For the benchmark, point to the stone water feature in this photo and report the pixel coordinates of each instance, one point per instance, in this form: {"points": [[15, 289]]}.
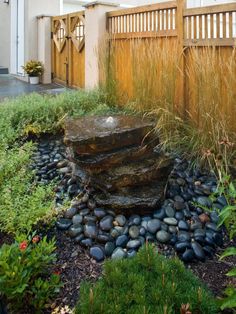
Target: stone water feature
{"points": [[119, 179], [116, 157]]}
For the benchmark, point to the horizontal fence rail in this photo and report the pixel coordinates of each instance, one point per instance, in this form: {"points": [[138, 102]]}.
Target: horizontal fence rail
{"points": [[147, 21], [213, 25]]}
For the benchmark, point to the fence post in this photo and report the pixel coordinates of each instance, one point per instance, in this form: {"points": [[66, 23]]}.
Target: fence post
{"points": [[180, 88], [95, 30], [44, 46]]}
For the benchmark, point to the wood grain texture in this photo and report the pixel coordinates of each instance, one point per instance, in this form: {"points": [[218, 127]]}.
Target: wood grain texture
{"points": [[68, 56], [200, 42], [144, 9], [223, 8]]}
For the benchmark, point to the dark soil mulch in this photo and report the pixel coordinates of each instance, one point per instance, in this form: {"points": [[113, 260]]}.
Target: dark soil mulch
{"points": [[75, 266], [5, 238], [213, 271]]}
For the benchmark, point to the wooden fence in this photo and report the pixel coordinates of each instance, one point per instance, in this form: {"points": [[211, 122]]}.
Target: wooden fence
{"points": [[68, 56], [200, 41]]}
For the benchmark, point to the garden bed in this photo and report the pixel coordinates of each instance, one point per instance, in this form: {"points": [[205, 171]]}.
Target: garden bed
{"points": [[33, 202], [75, 265]]}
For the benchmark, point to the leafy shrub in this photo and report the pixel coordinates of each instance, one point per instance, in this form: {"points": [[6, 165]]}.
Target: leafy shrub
{"points": [[147, 283], [227, 216], [25, 279], [33, 68]]}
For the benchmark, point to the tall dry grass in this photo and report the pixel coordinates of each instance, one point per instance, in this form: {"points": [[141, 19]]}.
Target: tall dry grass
{"points": [[143, 75], [155, 73], [211, 104], [108, 82]]}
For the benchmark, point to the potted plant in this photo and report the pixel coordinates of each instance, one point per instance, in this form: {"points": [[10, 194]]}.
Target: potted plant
{"points": [[34, 69]]}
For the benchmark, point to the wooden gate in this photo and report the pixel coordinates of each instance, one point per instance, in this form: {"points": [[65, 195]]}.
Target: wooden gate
{"points": [[68, 40]]}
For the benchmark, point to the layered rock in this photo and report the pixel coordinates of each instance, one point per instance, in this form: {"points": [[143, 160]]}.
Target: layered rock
{"points": [[116, 156]]}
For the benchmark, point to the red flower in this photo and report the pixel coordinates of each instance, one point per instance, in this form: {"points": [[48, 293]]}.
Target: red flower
{"points": [[56, 272], [36, 239], [23, 245]]}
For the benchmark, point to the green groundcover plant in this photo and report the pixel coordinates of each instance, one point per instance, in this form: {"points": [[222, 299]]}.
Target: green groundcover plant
{"points": [[147, 283], [26, 277], [227, 215], [37, 114], [23, 203]]}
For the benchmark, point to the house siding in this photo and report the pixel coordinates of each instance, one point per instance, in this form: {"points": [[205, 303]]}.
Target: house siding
{"points": [[5, 22]]}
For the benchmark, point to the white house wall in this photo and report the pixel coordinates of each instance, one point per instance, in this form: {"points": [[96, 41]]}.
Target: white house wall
{"points": [[69, 8], [5, 30], [35, 8], [198, 3], [190, 3]]}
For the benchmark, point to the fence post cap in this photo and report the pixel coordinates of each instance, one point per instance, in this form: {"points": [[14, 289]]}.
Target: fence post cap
{"points": [[95, 3], [43, 16]]}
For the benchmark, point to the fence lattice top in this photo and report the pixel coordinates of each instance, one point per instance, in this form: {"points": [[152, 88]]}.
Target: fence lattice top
{"points": [[215, 24], [211, 25], [156, 20]]}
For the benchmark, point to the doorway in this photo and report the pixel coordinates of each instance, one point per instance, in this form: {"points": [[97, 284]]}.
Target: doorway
{"points": [[20, 29], [17, 50]]}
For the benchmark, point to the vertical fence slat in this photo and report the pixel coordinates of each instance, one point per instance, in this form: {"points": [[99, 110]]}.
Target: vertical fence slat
{"points": [[162, 20], [189, 28], [133, 22], [212, 26], [200, 26], [171, 19], [230, 25], [185, 28], [151, 21], [224, 25], [218, 25], [159, 20], [195, 27], [155, 21], [206, 27]]}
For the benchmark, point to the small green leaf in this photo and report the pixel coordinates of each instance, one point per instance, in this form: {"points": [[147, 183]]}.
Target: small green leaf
{"points": [[232, 272], [228, 252], [229, 302]]}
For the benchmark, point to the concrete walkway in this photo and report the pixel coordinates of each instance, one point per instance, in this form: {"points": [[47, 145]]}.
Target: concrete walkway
{"points": [[12, 87]]}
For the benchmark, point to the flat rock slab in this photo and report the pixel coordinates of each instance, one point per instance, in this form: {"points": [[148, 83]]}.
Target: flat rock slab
{"points": [[100, 162], [93, 135], [128, 174], [139, 199]]}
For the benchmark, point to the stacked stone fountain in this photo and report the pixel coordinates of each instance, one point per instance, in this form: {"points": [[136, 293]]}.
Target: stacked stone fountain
{"points": [[120, 203], [116, 156]]}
